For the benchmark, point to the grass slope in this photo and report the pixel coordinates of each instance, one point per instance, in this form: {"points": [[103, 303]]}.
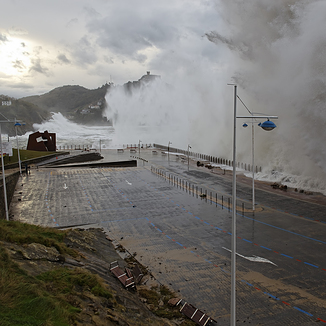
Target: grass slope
{"points": [[61, 296], [46, 299]]}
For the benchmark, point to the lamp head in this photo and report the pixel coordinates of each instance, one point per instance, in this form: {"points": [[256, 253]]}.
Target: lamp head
{"points": [[245, 125], [267, 125]]}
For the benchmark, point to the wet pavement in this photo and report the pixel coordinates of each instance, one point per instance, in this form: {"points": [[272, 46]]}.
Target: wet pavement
{"points": [[177, 221]]}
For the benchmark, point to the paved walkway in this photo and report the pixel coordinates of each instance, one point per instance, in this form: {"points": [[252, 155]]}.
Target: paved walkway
{"points": [[184, 239]]}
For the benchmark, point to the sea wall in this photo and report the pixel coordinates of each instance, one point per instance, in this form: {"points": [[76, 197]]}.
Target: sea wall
{"points": [[11, 181]]}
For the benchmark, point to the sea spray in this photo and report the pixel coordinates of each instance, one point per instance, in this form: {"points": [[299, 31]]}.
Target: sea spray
{"points": [[280, 67], [275, 52]]}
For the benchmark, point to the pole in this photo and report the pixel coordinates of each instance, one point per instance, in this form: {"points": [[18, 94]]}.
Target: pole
{"points": [[4, 178], [233, 242], [19, 162], [169, 152], [188, 156], [253, 165]]}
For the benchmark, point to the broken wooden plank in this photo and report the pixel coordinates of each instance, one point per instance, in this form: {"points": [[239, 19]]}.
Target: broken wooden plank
{"points": [[121, 275], [137, 273], [196, 315]]}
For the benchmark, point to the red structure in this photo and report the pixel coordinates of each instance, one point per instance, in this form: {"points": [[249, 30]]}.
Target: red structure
{"points": [[42, 141]]}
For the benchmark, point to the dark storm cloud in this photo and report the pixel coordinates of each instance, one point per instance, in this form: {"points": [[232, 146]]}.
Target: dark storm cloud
{"points": [[17, 31], [19, 65], [130, 29], [21, 85], [3, 38], [63, 59], [38, 67], [245, 49], [72, 22], [122, 37], [91, 12], [84, 52]]}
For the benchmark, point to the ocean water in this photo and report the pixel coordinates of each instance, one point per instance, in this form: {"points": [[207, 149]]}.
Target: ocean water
{"points": [[71, 134]]}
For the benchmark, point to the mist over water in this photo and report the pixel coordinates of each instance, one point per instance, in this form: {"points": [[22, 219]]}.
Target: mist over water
{"points": [[281, 61], [275, 51], [70, 134], [159, 112]]}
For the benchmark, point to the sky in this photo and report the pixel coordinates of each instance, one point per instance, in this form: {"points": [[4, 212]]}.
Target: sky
{"points": [[46, 44]]}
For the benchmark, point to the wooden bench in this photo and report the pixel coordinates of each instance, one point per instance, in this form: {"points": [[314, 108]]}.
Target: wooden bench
{"points": [[122, 276], [199, 317], [120, 150]]}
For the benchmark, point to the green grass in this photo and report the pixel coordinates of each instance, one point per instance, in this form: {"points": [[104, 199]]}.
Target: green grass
{"points": [[24, 155], [66, 281], [23, 233], [47, 299], [24, 300], [162, 293]]}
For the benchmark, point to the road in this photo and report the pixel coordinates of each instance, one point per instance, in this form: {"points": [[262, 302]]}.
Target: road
{"points": [[159, 212]]}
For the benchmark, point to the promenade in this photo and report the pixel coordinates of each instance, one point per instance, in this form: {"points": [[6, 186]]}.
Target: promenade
{"points": [[177, 221]]}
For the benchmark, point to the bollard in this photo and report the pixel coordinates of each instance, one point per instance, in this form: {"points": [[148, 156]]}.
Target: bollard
{"points": [[222, 202], [229, 204], [211, 198], [242, 209], [216, 201]]}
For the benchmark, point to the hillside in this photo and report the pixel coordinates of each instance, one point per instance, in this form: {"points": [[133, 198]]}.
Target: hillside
{"points": [[76, 103], [29, 113], [61, 278]]}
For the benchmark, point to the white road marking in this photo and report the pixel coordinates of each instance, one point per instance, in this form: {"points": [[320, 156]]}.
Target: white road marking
{"points": [[65, 186], [129, 183], [254, 258]]}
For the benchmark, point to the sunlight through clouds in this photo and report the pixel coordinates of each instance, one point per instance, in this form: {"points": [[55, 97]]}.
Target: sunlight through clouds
{"points": [[14, 57]]}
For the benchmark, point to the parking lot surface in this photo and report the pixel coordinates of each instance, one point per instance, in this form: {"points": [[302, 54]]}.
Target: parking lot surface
{"points": [[177, 221]]}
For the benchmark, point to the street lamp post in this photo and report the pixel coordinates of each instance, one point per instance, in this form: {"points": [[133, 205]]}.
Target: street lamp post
{"points": [[169, 151], [139, 147], [188, 155], [3, 165], [4, 178], [233, 237], [19, 162], [268, 126]]}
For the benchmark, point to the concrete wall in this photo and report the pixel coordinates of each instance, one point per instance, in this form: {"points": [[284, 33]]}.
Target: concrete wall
{"points": [[33, 160], [11, 181]]}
